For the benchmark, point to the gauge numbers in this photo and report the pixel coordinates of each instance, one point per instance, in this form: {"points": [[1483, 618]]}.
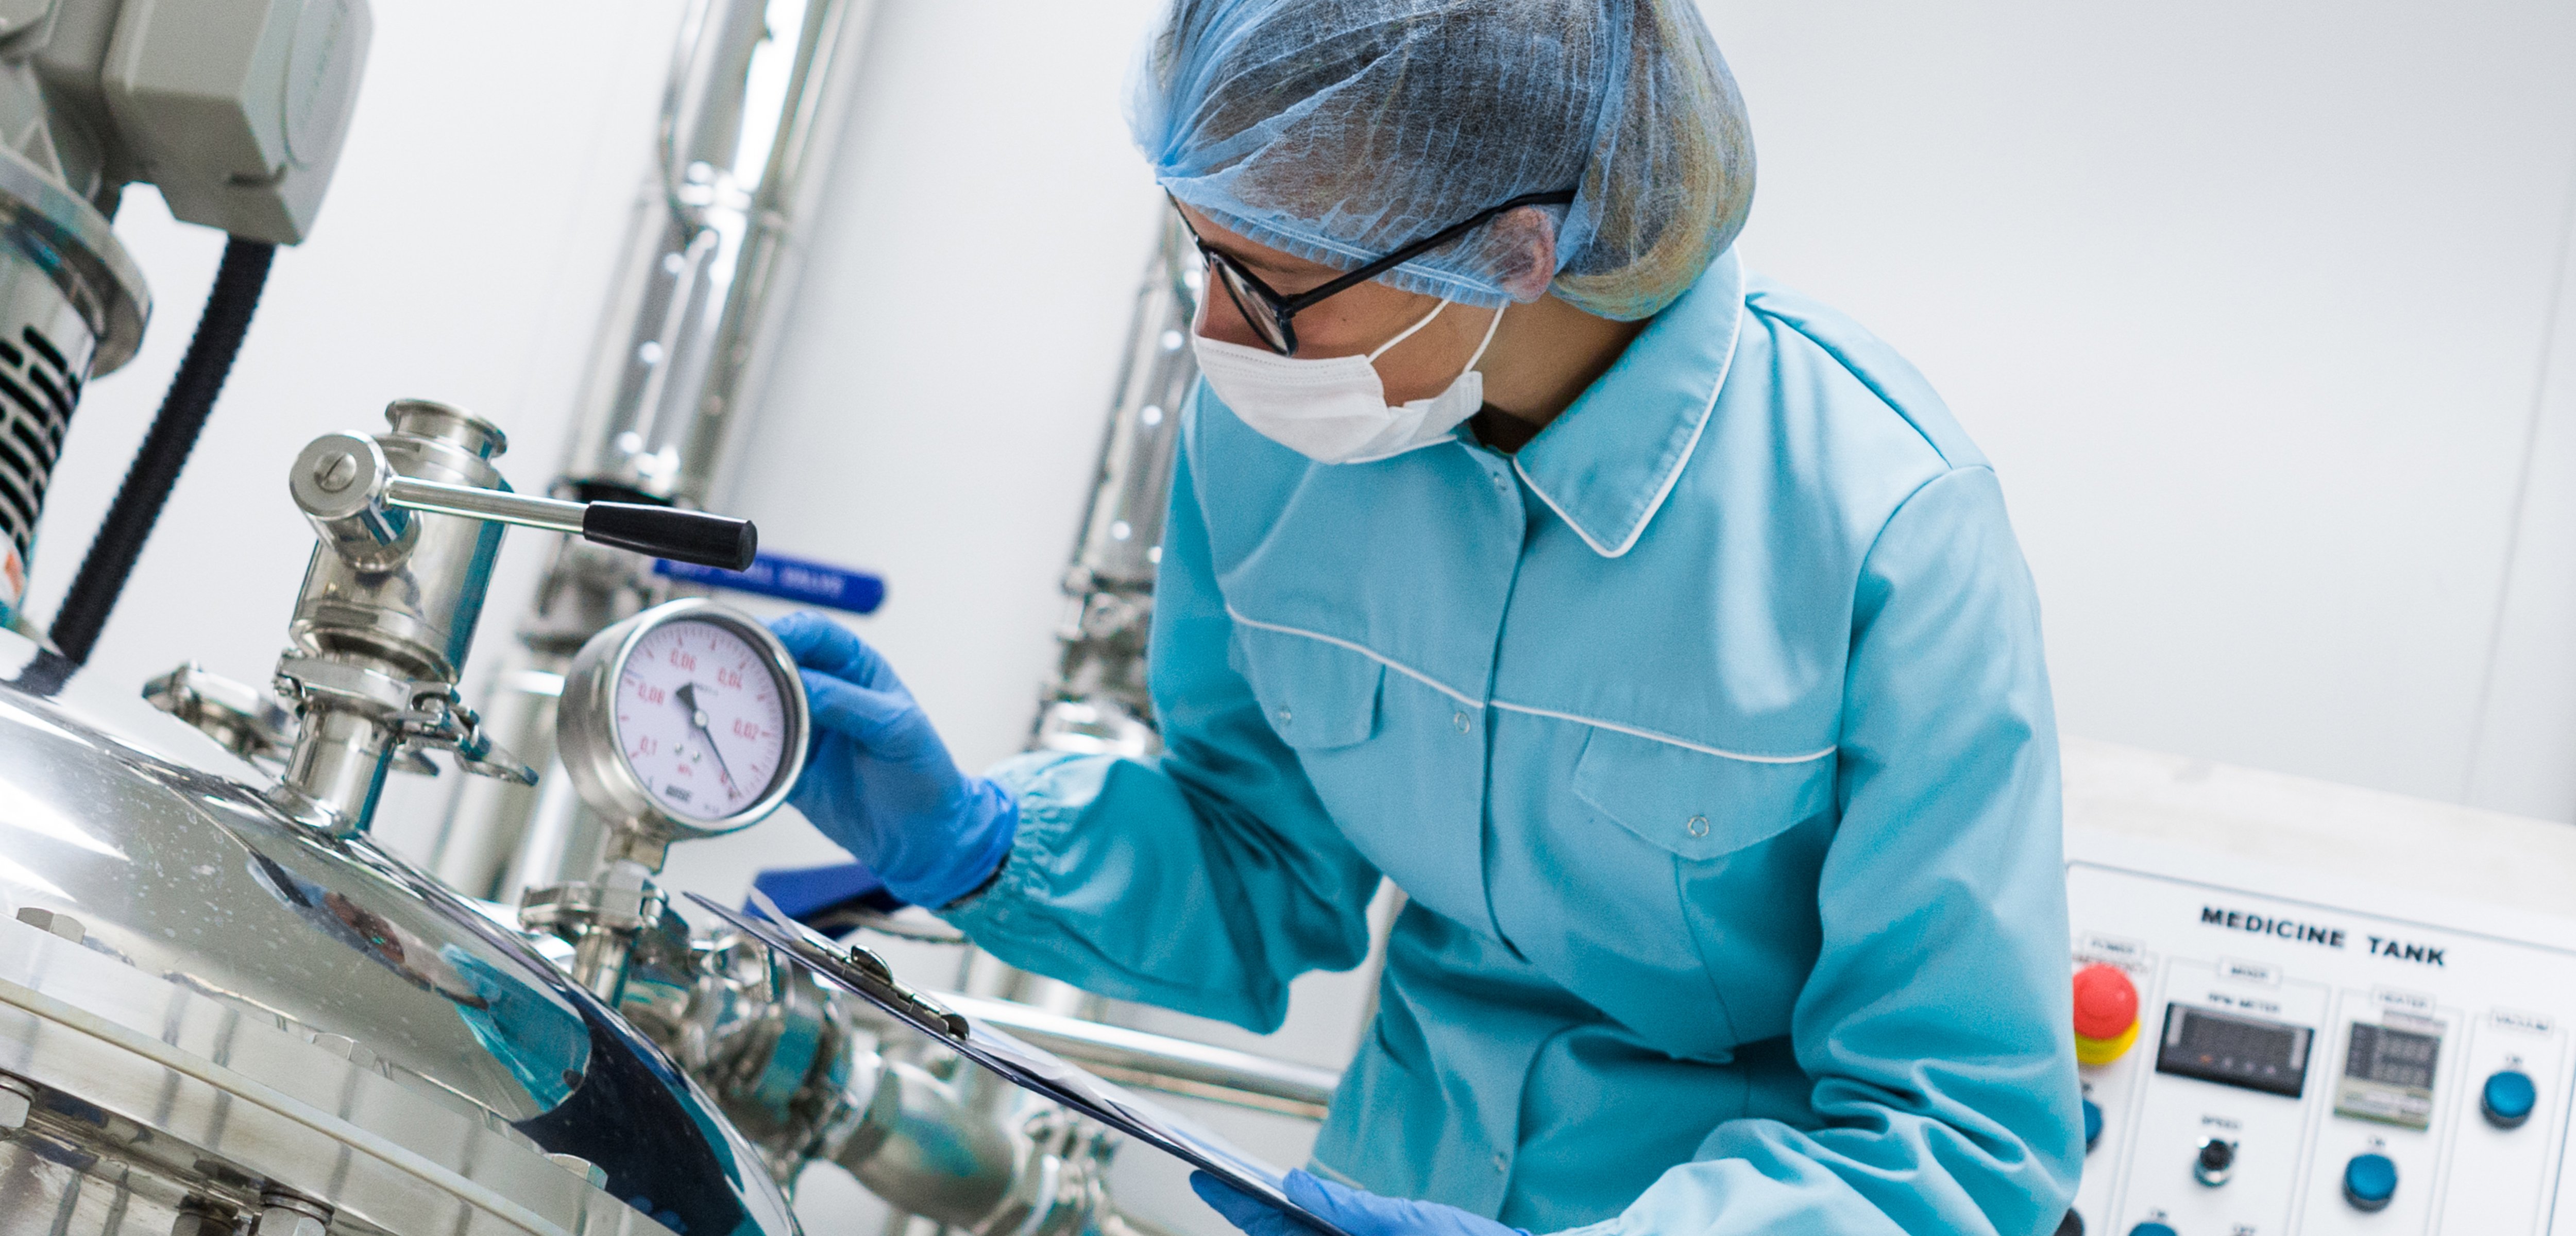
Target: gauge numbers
{"points": [[700, 718]]}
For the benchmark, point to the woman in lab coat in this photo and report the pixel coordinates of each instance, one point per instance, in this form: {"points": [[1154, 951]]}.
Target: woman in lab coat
{"points": [[1652, 627]]}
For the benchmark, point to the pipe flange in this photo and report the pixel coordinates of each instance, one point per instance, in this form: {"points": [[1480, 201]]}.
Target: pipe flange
{"points": [[356, 688]]}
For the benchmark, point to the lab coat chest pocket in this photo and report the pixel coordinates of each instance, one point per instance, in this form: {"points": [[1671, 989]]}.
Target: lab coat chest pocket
{"points": [[1316, 695], [1696, 804]]}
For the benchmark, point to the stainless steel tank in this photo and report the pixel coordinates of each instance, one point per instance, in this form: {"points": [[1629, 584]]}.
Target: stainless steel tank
{"points": [[210, 1016]]}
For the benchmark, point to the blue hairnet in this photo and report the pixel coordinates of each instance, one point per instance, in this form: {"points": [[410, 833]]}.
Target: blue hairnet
{"points": [[1339, 130]]}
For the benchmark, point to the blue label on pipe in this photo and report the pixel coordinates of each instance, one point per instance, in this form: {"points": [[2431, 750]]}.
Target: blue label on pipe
{"points": [[788, 579]]}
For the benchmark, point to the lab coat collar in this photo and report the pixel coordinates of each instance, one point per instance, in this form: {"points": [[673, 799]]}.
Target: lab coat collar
{"points": [[1607, 463]]}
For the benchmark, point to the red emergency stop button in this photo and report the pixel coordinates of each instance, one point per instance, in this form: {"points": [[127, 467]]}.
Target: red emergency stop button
{"points": [[2106, 1014]]}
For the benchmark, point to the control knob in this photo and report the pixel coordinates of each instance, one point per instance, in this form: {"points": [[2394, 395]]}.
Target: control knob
{"points": [[2216, 1162]]}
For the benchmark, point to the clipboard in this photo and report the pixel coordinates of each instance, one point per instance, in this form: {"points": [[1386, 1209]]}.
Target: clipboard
{"points": [[865, 975]]}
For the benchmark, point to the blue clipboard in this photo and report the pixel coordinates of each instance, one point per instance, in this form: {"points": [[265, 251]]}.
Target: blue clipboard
{"points": [[866, 975]]}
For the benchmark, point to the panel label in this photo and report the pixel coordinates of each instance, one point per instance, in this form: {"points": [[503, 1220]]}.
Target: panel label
{"points": [[2405, 950], [2528, 1023], [2249, 972], [2266, 925]]}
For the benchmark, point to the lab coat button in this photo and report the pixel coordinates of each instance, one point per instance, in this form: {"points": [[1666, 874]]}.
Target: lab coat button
{"points": [[1459, 719], [1698, 826], [1502, 1162], [1286, 716]]}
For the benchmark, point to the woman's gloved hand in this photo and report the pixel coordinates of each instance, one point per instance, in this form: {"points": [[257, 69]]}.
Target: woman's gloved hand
{"points": [[878, 780], [1353, 1211]]}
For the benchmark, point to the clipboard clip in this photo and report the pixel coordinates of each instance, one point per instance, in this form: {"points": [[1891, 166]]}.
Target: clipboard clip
{"points": [[929, 1013], [870, 971]]}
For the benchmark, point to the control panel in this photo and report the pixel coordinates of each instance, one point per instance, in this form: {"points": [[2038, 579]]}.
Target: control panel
{"points": [[2259, 1065]]}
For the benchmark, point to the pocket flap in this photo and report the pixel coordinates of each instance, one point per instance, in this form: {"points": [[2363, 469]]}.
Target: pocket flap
{"points": [[1315, 694], [1695, 804]]}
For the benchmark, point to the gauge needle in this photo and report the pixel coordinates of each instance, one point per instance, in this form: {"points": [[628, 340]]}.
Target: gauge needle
{"points": [[688, 697]]}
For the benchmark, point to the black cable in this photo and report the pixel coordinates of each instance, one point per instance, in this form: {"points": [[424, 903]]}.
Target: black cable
{"points": [[165, 447]]}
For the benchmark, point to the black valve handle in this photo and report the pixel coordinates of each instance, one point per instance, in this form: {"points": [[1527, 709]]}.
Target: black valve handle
{"points": [[669, 532]]}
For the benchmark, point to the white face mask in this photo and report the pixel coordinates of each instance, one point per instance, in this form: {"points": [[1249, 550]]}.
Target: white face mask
{"points": [[1334, 410]]}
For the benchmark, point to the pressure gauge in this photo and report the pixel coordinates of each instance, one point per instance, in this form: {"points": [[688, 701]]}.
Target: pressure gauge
{"points": [[686, 720]]}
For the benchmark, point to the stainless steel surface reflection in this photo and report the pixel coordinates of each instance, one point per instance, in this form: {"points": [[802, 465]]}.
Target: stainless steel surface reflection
{"points": [[197, 905]]}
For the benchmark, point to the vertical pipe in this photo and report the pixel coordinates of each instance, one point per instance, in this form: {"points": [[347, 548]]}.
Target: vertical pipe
{"points": [[1098, 701], [750, 120]]}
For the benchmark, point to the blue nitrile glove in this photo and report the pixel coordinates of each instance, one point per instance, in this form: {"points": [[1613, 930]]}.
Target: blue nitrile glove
{"points": [[1353, 1211], [878, 780]]}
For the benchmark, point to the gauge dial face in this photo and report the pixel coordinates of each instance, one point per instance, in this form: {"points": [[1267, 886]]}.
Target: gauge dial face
{"points": [[700, 718]]}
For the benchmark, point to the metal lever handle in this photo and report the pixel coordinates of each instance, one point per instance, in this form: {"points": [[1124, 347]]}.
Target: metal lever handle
{"points": [[356, 501], [661, 531]]}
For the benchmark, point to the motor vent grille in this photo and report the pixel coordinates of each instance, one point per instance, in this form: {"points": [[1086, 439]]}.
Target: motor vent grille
{"points": [[37, 393]]}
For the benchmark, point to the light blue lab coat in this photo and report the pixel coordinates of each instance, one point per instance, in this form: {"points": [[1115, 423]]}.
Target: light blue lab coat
{"points": [[1710, 740]]}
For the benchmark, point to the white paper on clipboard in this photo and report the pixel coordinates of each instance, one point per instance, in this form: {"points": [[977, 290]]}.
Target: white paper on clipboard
{"points": [[865, 975]]}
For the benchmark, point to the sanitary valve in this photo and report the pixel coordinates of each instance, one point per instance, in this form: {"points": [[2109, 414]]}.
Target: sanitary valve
{"points": [[410, 523], [362, 508]]}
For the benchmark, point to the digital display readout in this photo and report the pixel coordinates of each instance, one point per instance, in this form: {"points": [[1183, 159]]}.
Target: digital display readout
{"points": [[2388, 1075], [2233, 1049]]}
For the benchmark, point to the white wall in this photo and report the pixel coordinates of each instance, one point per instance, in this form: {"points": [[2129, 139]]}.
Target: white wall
{"points": [[2248, 303]]}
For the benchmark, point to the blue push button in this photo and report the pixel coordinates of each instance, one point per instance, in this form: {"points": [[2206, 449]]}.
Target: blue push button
{"points": [[2093, 1122], [2369, 1180], [2508, 1098], [2151, 1229]]}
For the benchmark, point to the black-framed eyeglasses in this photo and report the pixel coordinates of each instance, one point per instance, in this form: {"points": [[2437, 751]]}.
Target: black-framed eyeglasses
{"points": [[1272, 315]]}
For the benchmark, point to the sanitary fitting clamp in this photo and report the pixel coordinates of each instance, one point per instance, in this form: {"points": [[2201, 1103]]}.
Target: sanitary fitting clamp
{"points": [[410, 522], [611, 922]]}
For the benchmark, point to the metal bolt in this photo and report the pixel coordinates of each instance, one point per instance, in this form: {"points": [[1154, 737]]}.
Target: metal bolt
{"points": [[1697, 826], [17, 1101], [334, 474], [584, 1168], [60, 924], [285, 1214]]}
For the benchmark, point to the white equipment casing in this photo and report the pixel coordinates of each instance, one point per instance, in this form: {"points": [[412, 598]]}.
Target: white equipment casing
{"points": [[236, 109], [2321, 908]]}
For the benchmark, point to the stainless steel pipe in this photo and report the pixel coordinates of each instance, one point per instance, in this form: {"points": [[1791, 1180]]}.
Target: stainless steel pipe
{"points": [[1152, 1061], [750, 124]]}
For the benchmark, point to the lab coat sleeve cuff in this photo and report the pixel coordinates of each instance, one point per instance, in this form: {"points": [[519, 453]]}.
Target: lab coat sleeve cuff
{"points": [[1045, 818]]}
